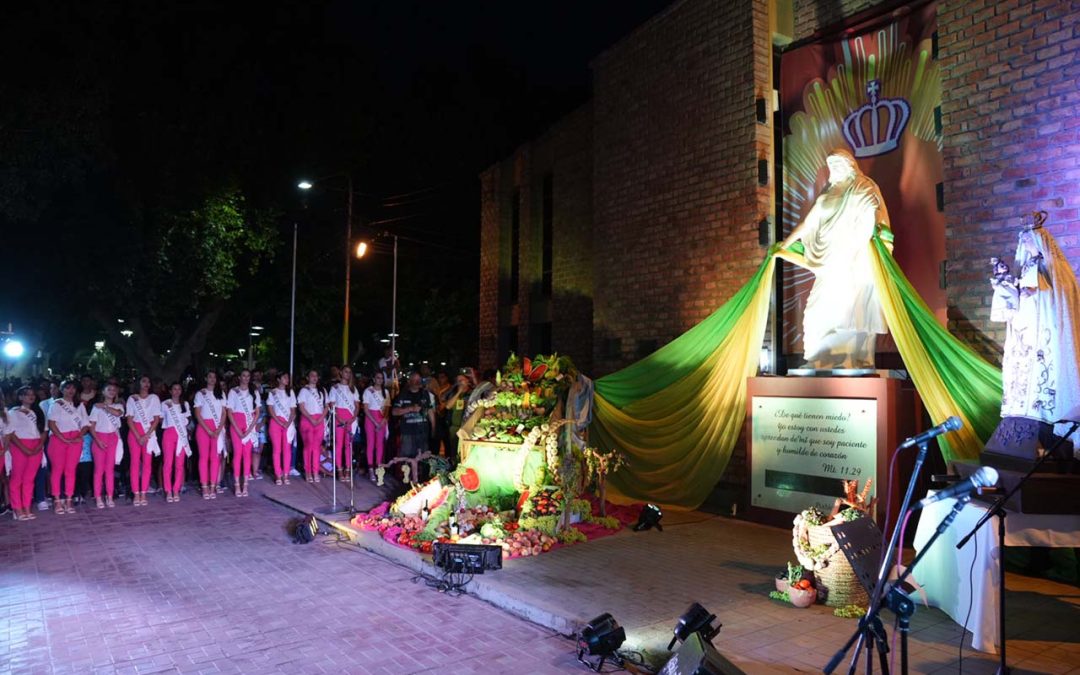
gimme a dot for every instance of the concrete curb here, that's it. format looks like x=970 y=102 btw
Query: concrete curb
x=483 y=587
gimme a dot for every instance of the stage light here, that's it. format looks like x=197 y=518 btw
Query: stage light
x=696 y=619
x=305 y=530
x=600 y=637
x=649 y=518
x=13 y=349
x=304 y=185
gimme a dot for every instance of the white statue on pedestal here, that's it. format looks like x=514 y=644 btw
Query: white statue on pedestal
x=1040 y=367
x=843 y=315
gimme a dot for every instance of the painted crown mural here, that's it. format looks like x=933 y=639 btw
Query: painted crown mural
x=876 y=127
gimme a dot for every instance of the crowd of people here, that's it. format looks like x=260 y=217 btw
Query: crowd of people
x=69 y=442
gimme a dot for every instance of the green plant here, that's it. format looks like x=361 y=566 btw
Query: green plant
x=581 y=507
x=779 y=595
x=850 y=612
x=548 y=525
x=850 y=514
x=571 y=535
x=608 y=522
x=813 y=516
x=794 y=573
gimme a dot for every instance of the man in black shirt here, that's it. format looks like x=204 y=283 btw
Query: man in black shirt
x=415 y=405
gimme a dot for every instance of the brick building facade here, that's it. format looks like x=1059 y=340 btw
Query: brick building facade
x=682 y=172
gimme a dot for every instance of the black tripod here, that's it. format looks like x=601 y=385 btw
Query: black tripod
x=870 y=632
x=997 y=508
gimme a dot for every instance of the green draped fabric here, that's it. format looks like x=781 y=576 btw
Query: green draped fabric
x=678 y=413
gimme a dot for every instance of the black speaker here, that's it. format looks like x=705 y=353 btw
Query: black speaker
x=695 y=656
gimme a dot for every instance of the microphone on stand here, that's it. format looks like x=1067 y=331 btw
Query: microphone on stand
x=983 y=478
x=951 y=424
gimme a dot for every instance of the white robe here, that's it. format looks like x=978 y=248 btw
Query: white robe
x=1041 y=364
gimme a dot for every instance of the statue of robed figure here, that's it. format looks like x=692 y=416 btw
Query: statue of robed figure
x=843 y=314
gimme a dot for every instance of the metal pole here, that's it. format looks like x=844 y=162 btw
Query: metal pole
x=348 y=272
x=292 y=307
x=250 y=356
x=393 y=318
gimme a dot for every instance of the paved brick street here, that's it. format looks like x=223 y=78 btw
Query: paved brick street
x=216 y=587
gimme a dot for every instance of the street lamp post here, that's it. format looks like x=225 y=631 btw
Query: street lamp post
x=361 y=249
x=292 y=305
x=348 y=272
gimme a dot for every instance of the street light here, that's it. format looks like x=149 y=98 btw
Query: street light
x=361 y=249
x=304 y=185
x=14 y=349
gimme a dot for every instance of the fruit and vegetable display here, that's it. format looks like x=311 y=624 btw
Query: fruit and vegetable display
x=520 y=485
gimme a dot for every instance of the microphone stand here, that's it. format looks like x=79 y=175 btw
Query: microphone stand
x=997 y=508
x=870 y=630
x=333 y=507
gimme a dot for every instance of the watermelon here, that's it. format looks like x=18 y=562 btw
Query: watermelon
x=470 y=480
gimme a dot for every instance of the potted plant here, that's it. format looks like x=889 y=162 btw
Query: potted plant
x=800 y=591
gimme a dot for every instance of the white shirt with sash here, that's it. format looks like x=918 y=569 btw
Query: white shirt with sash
x=143 y=411
x=106 y=422
x=176 y=417
x=212 y=409
x=281 y=403
x=22 y=424
x=345 y=397
x=68 y=417
x=241 y=401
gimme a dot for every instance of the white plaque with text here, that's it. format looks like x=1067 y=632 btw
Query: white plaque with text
x=801 y=448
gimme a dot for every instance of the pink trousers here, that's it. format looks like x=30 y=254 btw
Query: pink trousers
x=343 y=439
x=23 y=471
x=279 y=439
x=209 y=459
x=311 y=435
x=104 y=463
x=141 y=466
x=173 y=479
x=63 y=458
x=376 y=438
x=241 y=460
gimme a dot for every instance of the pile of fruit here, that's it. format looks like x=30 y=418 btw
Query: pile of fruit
x=526 y=392
x=545 y=503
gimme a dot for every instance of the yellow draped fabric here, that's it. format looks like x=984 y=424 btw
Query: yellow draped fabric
x=678 y=413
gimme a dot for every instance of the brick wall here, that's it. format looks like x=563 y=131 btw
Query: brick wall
x=1011 y=126
x=813 y=15
x=676 y=145
x=564 y=153
x=490 y=232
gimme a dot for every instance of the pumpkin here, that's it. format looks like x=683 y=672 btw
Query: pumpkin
x=470 y=480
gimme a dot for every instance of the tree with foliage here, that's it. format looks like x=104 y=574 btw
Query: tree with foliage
x=182 y=272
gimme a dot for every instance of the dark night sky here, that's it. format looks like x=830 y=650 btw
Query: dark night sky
x=111 y=104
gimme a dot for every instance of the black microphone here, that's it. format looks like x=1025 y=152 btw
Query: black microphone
x=951 y=424
x=985 y=477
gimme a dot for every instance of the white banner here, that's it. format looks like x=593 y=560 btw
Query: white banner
x=802 y=448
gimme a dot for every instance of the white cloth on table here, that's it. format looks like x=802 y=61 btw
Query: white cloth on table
x=943 y=572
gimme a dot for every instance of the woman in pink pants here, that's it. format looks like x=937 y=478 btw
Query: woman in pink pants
x=281 y=407
x=312 y=405
x=67 y=424
x=242 y=405
x=376 y=418
x=107 y=447
x=176 y=446
x=346 y=401
x=144 y=417
x=209 y=433
x=26 y=440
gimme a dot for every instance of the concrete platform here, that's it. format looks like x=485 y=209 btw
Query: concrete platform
x=647 y=579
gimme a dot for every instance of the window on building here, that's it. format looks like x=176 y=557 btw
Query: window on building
x=548 y=229
x=515 y=246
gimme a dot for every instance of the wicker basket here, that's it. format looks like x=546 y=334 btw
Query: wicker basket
x=837 y=577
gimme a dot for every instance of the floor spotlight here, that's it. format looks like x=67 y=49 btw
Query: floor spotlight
x=305 y=530
x=600 y=637
x=696 y=619
x=649 y=518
